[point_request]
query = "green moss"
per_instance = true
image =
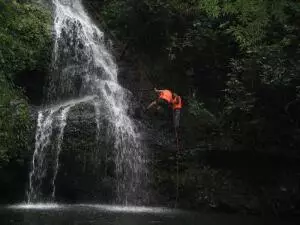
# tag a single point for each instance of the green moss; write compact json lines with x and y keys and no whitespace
{"x":14,"y":122}
{"x":24,"y":36}
{"x":25,"y":42}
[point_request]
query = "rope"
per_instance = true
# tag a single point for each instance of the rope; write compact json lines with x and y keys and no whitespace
{"x":177,"y":165}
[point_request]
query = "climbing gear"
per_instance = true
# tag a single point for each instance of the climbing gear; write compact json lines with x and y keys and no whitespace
{"x":177,"y":167}
{"x":177,"y":105}
{"x":176,"y":115}
{"x":166,"y":95}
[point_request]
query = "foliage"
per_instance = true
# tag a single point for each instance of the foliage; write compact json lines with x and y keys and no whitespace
{"x":24,"y":46}
{"x":240,"y":56}
{"x":24,"y":33}
{"x":198,"y":110}
{"x":249,"y":22}
{"x":14,"y":122}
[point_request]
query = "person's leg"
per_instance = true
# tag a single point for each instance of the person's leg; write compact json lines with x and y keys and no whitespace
{"x":176,"y":118}
{"x":151,"y":104}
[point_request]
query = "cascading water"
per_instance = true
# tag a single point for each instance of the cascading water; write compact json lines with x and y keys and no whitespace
{"x":46,"y":121}
{"x":84,"y":71}
{"x":62,"y":125}
{"x":42,"y":137}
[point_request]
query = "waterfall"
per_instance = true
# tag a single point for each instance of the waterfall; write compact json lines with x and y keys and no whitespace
{"x":62,"y":125}
{"x":45,"y":124}
{"x":84,"y":71}
{"x":42,"y":137}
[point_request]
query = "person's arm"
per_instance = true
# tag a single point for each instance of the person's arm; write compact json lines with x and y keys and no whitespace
{"x":151,"y":105}
{"x":157,"y":90}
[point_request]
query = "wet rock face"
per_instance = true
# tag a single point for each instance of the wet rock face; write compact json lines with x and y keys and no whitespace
{"x":87,"y":167}
{"x":86,"y":163}
{"x":86,"y":170}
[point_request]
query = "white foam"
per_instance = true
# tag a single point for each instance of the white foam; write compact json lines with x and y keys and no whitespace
{"x":129,"y":209}
{"x":38,"y":206}
{"x":99,"y":207}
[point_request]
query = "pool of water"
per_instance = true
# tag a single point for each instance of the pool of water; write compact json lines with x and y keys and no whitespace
{"x":83,"y":214}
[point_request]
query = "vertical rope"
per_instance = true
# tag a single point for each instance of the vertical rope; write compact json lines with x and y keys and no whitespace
{"x":177,"y":163}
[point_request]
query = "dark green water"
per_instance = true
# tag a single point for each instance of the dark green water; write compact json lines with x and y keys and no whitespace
{"x":114,"y":215}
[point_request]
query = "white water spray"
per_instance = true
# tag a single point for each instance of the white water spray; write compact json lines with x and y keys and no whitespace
{"x":83,"y":66}
{"x":42,"y":140}
{"x":39,"y":164}
{"x":62,"y":125}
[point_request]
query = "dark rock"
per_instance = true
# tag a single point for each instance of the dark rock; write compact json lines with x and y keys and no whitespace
{"x":32,"y":82}
{"x":86,"y":170}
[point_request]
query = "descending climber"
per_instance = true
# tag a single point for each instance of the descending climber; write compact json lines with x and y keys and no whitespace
{"x":166,"y":99}
{"x":163,"y":101}
{"x":176,"y":105}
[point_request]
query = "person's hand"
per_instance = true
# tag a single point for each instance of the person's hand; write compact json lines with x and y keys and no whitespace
{"x":155,"y":89}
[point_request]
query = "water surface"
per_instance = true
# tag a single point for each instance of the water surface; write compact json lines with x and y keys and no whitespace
{"x":82,"y":214}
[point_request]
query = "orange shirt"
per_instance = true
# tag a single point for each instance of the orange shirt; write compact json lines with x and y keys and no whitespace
{"x":166,"y":95}
{"x":177,"y":103}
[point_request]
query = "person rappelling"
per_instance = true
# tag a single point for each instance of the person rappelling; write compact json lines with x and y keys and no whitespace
{"x":167,"y":101}
{"x":163,"y":101}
